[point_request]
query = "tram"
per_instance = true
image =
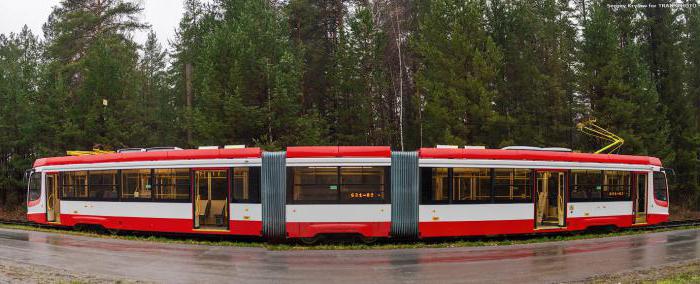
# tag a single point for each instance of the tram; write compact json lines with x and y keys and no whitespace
{"x":369,"y":191}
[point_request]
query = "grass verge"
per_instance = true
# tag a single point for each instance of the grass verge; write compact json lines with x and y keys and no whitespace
{"x":346,"y":245}
{"x":686,"y":272}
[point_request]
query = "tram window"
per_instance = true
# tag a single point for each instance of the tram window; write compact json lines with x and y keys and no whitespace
{"x":660,"y":186}
{"x":362,"y":184}
{"x":586,"y":185}
{"x":171,"y":184}
{"x":246,"y":185}
{"x":616,"y":186}
{"x":440,"y":189}
{"x":136,"y":184}
{"x":34,"y":187}
{"x":219,"y":186}
{"x":338,"y":184}
{"x":317,"y":184}
{"x":471,"y":185}
{"x":73,"y":185}
{"x":512,"y":185}
{"x":211,"y":182}
{"x":434,"y":185}
{"x":102,"y":185}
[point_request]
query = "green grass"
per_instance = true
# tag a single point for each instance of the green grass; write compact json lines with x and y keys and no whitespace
{"x":339,"y":245}
{"x":684,"y":272}
{"x":690,"y":277}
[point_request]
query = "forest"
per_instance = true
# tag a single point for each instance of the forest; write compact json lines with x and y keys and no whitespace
{"x":404,"y":73}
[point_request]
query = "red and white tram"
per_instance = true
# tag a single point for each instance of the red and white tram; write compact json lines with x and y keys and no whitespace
{"x":374,"y":192}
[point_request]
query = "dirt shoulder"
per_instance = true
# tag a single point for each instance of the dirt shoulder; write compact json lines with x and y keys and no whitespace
{"x":683,"y":272}
{"x":13,"y":272}
{"x":17,"y":214}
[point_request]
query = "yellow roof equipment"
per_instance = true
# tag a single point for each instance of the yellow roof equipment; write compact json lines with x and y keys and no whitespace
{"x":84,"y":153}
{"x":590,"y":128}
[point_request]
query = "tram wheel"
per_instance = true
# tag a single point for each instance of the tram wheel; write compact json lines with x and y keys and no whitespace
{"x":310,"y":241}
{"x":368,"y":240}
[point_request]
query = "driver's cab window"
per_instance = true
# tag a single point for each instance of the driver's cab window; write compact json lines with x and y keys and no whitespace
{"x":34,"y":192}
{"x":660,"y":186}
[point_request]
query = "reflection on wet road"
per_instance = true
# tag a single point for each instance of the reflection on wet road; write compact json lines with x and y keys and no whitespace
{"x":545,"y":262}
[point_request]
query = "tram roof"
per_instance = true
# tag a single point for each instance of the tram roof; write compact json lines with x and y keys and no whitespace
{"x":532,"y":155}
{"x":351,"y":152}
{"x":188,"y":154}
{"x":339,"y":152}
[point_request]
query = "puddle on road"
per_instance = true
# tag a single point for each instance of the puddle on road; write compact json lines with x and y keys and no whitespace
{"x":20,"y":236}
{"x":549,"y":260}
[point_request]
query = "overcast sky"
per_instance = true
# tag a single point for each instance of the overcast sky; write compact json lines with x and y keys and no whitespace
{"x":162,"y":15}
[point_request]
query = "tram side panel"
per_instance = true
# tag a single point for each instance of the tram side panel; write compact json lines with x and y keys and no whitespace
{"x":657,"y":198}
{"x":245,"y":210}
{"x":443,"y":212}
{"x":246,"y":219}
{"x":460,"y":201}
{"x":127,"y":213}
{"x":475,"y":219}
{"x":582,"y":215}
{"x":310,"y":220}
{"x":331,"y":196}
{"x":36,"y":213}
{"x":136,"y":216}
{"x":36,"y":198}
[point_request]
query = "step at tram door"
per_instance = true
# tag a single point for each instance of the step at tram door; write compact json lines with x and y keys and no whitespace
{"x":639,"y":193}
{"x":53,"y":204}
{"x":211,"y":202}
{"x":550,"y":200}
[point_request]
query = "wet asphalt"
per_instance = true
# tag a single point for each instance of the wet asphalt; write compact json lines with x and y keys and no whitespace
{"x":179,"y":263}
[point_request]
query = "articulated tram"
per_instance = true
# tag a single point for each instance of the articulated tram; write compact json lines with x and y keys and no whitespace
{"x":373,"y":192}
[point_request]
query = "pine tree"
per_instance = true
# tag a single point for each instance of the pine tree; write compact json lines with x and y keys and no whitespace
{"x":195,"y":24}
{"x":246,"y":78}
{"x":616,"y":86}
{"x":360,"y":81}
{"x":315,"y":28}
{"x":156,"y":99}
{"x":692,"y":48}
{"x":458,"y":67}
{"x":534,"y":99}
{"x":93,"y":67}
{"x":663,"y":50}
{"x":75,"y":25}
{"x":20,"y":70}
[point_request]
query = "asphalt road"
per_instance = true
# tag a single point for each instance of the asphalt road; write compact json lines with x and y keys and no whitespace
{"x":177,"y":263}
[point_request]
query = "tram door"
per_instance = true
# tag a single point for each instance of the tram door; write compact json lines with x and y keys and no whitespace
{"x":53,"y":204}
{"x":640,"y":198}
{"x":550,"y":199}
{"x":211,"y":199}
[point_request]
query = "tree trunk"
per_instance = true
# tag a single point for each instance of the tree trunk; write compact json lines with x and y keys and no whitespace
{"x":188,"y":95}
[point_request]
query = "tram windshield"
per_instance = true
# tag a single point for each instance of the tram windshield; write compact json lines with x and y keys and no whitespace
{"x":34,"y":188}
{"x":660,"y":186}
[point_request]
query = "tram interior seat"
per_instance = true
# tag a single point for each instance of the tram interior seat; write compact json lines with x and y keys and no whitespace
{"x":579,"y":194}
{"x":221,"y":216}
{"x":207,"y":209}
{"x":206,"y":204}
{"x":218,"y":208}
{"x":111,"y":194}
